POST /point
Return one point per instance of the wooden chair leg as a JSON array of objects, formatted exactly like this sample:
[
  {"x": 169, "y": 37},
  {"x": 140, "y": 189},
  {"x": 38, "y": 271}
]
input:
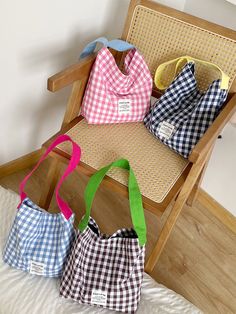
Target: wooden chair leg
[
  {"x": 50, "y": 184},
  {"x": 163, "y": 237},
  {"x": 174, "y": 214},
  {"x": 193, "y": 195}
]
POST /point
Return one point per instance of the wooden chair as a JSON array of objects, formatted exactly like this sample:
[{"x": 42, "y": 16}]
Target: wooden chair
[{"x": 161, "y": 34}]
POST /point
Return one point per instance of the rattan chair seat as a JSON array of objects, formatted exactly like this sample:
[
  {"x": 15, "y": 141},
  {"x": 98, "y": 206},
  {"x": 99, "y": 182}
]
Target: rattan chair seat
[{"x": 157, "y": 168}]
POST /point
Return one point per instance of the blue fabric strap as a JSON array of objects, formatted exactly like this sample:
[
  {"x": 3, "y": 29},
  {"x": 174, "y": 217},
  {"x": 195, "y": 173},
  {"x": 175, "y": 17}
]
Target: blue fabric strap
[{"x": 116, "y": 44}]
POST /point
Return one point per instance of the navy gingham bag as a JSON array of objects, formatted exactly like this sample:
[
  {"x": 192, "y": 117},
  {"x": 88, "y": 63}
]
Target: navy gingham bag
[
  {"x": 39, "y": 242},
  {"x": 181, "y": 116},
  {"x": 107, "y": 270}
]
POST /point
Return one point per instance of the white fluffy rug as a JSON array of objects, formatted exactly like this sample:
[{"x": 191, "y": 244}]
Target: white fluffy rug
[{"x": 22, "y": 293}]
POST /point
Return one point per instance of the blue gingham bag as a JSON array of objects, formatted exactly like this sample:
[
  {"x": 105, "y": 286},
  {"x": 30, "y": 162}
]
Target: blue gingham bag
[
  {"x": 181, "y": 116},
  {"x": 39, "y": 242}
]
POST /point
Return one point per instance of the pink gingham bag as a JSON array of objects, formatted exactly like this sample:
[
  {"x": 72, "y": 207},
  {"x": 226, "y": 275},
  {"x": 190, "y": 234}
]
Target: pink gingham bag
[{"x": 112, "y": 96}]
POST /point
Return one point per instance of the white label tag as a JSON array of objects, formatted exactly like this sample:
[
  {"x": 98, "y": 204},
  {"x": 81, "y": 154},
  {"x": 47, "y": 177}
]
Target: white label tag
[
  {"x": 99, "y": 297},
  {"x": 166, "y": 130},
  {"x": 36, "y": 268},
  {"x": 124, "y": 106}
]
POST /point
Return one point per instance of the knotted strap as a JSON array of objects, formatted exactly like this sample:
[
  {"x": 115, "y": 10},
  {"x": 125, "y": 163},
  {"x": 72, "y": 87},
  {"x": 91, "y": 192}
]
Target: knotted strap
[
  {"x": 75, "y": 159},
  {"x": 116, "y": 44},
  {"x": 186, "y": 59},
  {"x": 135, "y": 198}
]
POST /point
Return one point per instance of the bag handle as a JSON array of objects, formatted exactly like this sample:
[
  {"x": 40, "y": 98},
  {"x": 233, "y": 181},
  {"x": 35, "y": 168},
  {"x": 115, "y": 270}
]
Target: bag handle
[
  {"x": 116, "y": 44},
  {"x": 75, "y": 159},
  {"x": 159, "y": 71},
  {"x": 135, "y": 198}
]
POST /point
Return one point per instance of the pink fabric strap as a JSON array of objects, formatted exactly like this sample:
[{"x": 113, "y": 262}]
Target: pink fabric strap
[{"x": 75, "y": 159}]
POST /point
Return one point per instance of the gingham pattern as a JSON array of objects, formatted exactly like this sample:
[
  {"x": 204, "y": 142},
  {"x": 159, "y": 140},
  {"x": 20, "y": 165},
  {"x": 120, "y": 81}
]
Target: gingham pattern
[
  {"x": 187, "y": 109},
  {"x": 41, "y": 237},
  {"x": 107, "y": 85},
  {"x": 113, "y": 264}
]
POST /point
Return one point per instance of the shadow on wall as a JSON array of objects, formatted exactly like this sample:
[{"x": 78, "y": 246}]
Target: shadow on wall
[
  {"x": 41, "y": 111},
  {"x": 48, "y": 110},
  {"x": 116, "y": 15}
]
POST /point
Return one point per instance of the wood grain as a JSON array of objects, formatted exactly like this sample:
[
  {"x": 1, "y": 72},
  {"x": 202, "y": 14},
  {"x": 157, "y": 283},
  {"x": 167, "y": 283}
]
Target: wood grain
[
  {"x": 174, "y": 214},
  {"x": 75, "y": 100},
  {"x": 208, "y": 139},
  {"x": 217, "y": 210},
  {"x": 195, "y": 190},
  {"x": 197, "y": 157},
  {"x": 182, "y": 16},
  {"x": 50, "y": 184},
  {"x": 155, "y": 208},
  {"x": 188, "y": 18},
  {"x": 20, "y": 163},
  {"x": 199, "y": 258},
  {"x": 71, "y": 74}
]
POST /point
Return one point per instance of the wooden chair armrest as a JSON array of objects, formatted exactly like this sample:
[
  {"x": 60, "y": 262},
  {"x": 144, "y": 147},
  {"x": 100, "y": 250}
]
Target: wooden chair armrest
[
  {"x": 206, "y": 142},
  {"x": 71, "y": 74}
]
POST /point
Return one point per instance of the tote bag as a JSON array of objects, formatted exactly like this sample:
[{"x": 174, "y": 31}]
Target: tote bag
[
  {"x": 107, "y": 270},
  {"x": 112, "y": 96},
  {"x": 182, "y": 114},
  {"x": 39, "y": 242}
]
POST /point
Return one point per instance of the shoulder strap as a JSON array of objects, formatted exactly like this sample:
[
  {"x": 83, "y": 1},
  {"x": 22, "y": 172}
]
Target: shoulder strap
[
  {"x": 182, "y": 60},
  {"x": 116, "y": 44},
  {"x": 135, "y": 198},
  {"x": 75, "y": 159}
]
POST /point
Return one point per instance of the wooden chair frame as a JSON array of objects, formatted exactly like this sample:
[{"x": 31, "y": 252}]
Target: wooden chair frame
[{"x": 186, "y": 191}]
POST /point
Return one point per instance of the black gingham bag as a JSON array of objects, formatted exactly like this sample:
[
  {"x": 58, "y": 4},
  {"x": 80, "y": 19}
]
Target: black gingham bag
[
  {"x": 107, "y": 270},
  {"x": 181, "y": 116}
]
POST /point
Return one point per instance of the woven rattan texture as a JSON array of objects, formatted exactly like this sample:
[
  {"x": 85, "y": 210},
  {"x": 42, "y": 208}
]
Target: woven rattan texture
[
  {"x": 161, "y": 38},
  {"x": 157, "y": 168}
]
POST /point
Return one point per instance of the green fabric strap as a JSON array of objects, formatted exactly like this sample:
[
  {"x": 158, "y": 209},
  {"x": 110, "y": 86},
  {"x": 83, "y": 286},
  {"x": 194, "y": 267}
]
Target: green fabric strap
[{"x": 135, "y": 198}]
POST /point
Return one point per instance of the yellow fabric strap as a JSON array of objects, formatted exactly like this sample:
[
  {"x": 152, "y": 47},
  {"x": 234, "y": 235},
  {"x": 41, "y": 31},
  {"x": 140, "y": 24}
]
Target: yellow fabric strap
[{"x": 179, "y": 61}]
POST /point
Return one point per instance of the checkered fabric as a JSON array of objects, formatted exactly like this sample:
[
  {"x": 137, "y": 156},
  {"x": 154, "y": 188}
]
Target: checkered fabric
[
  {"x": 39, "y": 242},
  {"x": 185, "y": 111},
  {"x": 114, "y": 97},
  {"x": 105, "y": 270}
]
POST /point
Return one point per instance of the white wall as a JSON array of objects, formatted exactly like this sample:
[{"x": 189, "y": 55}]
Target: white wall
[
  {"x": 220, "y": 12},
  {"x": 220, "y": 178},
  {"x": 177, "y": 4},
  {"x": 39, "y": 38},
  {"x": 217, "y": 11}
]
